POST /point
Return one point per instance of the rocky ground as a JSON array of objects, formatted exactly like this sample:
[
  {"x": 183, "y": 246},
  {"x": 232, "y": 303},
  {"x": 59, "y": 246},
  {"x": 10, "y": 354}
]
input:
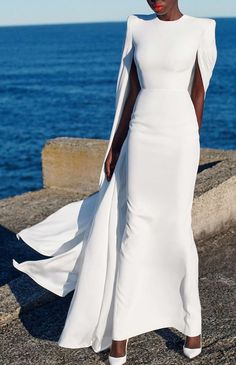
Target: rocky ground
[{"x": 31, "y": 339}]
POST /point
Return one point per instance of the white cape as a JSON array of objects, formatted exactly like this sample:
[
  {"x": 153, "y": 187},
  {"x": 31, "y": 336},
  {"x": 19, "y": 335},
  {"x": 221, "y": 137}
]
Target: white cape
[{"x": 83, "y": 238}]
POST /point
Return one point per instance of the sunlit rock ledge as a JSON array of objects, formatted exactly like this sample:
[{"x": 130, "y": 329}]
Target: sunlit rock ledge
[{"x": 71, "y": 169}]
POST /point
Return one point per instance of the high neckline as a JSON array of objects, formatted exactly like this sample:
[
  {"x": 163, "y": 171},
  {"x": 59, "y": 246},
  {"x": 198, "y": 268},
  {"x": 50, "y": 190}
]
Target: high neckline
[{"x": 170, "y": 21}]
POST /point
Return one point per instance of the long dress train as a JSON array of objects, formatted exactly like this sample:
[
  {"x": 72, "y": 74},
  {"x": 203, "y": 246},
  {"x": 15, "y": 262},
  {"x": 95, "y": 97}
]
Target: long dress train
[{"x": 128, "y": 250}]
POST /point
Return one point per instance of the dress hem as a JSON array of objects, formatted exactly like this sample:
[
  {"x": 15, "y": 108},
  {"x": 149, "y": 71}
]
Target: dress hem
[
  {"x": 39, "y": 282},
  {"x": 170, "y": 325},
  {"x": 20, "y": 236}
]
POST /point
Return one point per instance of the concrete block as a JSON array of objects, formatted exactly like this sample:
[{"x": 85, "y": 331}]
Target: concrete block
[
  {"x": 214, "y": 210},
  {"x": 73, "y": 163}
]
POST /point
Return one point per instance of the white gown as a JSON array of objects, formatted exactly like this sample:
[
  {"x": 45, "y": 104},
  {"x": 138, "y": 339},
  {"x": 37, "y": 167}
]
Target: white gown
[{"x": 128, "y": 250}]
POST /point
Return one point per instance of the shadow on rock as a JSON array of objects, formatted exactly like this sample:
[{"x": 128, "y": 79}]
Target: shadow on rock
[
  {"x": 208, "y": 165},
  {"x": 10, "y": 248},
  {"x": 47, "y": 321},
  {"x": 173, "y": 341}
]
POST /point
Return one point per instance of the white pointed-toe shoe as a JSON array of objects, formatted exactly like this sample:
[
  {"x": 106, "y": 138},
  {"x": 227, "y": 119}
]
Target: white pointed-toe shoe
[
  {"x": 118, "y": 360},
  {"x": 191, "y": 353}
]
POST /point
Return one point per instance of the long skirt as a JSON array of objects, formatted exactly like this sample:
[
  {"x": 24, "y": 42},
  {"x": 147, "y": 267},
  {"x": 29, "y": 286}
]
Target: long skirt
[{"x": 128, "y": 252}]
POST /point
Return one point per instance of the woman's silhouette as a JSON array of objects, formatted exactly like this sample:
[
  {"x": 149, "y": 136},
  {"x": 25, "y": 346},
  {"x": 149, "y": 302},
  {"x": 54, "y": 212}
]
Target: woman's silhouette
[{"x": 128, "y": 250}]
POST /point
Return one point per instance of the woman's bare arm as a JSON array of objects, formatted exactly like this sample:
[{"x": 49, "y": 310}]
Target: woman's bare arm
[
  {"x": 123, "y": 126},
  {"x": 197, "y": 94}
]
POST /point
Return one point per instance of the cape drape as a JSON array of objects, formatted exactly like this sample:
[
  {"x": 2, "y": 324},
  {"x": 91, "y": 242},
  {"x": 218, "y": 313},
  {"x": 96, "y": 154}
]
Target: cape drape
[
  {"x": 62, "y": 234},
  {"x": 82, "y": 228},
  {"x": 206, "y": 55}
]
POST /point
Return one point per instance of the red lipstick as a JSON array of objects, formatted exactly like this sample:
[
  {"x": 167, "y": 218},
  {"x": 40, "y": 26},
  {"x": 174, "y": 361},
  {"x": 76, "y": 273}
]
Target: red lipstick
[{"x": 158, "y": 7}]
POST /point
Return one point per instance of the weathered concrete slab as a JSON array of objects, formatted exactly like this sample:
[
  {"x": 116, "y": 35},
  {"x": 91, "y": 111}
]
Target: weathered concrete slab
[
  {"x": 32, "y": 339},
  {"x": 29, "y": 208},
  {"x": 215, "y": 167},
  {"x": 215, "y": 209},
  {"x": 73, "y": 163},
  {"x": 19, "y": 296}
]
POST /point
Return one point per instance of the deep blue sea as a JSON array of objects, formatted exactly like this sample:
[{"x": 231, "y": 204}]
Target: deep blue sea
[{"x": 59, "y": 80}]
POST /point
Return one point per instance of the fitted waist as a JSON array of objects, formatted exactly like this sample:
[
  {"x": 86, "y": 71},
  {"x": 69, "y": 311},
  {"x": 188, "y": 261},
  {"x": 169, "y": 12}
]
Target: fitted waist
[
  {"x": 163, "y": 103},
  {"x": 147, "y": 89},
  {"x": 158, "y": 109}
]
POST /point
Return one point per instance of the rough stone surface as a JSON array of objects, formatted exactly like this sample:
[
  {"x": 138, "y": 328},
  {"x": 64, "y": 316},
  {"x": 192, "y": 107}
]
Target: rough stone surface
[
  {"x": 24, "y": 210},
  {"x": 215, "y": 209},
  {"x": 19, "y": 296},
  {"x": 32, "y": 339},
  {"x": 215, "y": 167},
  {"x": 16, "y": 213},
  {"x": 73, "y": 163}
]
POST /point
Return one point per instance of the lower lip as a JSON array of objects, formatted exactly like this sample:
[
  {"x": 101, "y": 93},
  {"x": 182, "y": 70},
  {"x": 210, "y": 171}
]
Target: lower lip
[{"x": 158, "y": 7}]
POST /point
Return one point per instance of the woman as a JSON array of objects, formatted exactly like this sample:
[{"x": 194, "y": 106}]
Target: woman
[{"x": 128, "y": 250}]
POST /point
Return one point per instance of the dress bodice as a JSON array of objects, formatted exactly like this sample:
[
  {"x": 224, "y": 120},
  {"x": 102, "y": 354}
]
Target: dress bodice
[
  {"x": 165, "y": 54},
  {"x": 165, "y": 51}
]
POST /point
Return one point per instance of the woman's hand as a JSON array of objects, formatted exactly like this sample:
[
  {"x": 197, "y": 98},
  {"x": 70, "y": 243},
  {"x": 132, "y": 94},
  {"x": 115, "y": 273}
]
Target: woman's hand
[{"x": 110, "y": 162}]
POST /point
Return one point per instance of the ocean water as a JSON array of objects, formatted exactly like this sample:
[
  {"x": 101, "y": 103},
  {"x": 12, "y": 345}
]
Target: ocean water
[{"x": 59, "y": 80}]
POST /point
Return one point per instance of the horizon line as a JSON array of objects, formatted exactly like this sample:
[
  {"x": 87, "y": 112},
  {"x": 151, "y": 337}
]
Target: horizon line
[{"x": 93, "y": 22}]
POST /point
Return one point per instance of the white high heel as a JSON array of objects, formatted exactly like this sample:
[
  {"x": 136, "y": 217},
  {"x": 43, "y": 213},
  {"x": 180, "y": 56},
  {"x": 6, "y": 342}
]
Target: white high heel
[
  {"x": 118, "y": 360},
  {"x": 191, "y": 353}
]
